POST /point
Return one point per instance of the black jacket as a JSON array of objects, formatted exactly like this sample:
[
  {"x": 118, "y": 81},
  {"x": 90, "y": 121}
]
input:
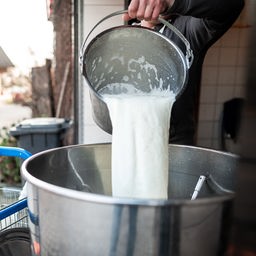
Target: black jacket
[{"x": 202, "y": 22}]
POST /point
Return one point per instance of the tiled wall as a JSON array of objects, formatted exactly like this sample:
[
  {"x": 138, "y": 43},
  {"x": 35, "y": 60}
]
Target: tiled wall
[{"x": 223, "y": 78}]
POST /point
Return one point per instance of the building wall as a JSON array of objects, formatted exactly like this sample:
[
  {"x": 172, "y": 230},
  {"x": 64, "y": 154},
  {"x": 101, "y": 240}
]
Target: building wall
[
  {"x": 63, "y": 59},
  {"x": 93, "y": 12},
  {"x": 223, "y": 77}
]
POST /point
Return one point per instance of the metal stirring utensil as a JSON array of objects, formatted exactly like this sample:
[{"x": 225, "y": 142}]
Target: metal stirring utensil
[{"x": 214, "y": 185}]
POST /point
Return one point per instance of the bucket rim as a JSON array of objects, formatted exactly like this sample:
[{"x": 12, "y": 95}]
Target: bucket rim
[
  {"x": 105, "y": 199},
  {"x": 86, "y": 48}
]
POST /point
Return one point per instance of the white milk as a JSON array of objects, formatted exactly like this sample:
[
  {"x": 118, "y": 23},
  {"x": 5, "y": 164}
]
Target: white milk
[{"x": 140, "y": 143}]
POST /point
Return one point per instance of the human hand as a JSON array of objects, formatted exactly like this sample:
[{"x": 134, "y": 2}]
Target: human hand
[
  {"x": 148, "y": 24},
  {"x": 147, "y": 10}
]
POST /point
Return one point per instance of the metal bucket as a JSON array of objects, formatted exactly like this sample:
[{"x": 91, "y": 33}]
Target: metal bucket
[
  {"x": 132, "y": 55},
  {"x": 72, "y": 211}
]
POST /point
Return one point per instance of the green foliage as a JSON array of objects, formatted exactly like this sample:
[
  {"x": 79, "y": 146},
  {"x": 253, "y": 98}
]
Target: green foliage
[{"x": 9, "y": 166}]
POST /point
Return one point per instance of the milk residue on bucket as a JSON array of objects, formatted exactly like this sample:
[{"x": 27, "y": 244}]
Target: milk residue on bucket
[
  {"x": 138, "y": 71},
  {"x": 140, "y": 121}
]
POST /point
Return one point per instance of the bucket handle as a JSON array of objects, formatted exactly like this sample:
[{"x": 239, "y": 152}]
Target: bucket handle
[{"x": 189, "y": 53}]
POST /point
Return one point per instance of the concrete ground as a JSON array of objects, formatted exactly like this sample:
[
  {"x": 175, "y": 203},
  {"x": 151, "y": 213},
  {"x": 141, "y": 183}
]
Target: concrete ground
[{"x": 12, "y": 113}]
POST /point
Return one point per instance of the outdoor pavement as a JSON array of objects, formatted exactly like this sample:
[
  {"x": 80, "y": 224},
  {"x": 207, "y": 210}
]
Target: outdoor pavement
[{"x": 11, "y": 114}]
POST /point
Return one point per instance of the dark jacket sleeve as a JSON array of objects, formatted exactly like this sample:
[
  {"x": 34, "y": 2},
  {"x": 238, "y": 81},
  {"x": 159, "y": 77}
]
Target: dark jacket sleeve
[
  {"x": 205, "y": 21},
  {"x": 219, "y": 11}
]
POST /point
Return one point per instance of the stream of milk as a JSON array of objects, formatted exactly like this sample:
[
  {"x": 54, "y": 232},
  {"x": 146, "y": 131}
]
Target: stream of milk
[{"x": 140, "y": 160}]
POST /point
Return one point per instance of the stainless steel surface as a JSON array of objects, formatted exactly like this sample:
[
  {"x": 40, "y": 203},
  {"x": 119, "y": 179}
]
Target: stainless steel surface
[
  {"x": 132, "y": 55},
  {"x": 217, "y": 188},
  {"x": 66, "y": 221}
]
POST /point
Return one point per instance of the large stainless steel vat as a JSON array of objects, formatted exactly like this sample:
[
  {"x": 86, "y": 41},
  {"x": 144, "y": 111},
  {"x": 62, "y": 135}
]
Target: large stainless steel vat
[{"x": 72, "y": 212}]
